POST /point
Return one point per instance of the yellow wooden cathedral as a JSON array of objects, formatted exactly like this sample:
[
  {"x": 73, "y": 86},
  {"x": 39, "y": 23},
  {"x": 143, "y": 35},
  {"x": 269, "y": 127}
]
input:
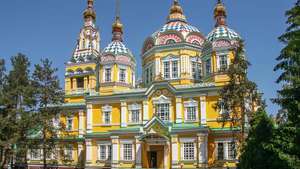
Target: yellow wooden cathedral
[{"x": 166, "y": 120}]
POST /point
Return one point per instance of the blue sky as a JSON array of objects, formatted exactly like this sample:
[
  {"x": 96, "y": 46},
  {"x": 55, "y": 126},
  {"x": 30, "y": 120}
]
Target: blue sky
[{"x": 49, "y": 28}]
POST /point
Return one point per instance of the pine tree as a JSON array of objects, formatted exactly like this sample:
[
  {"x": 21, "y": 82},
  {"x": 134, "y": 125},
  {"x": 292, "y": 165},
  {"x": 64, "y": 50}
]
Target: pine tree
[
  {"x": 48, "y": 95},
  {"x": 18, "y": 116},
  {"x": 239, "y": 97},
  {"x": 289, "y": 95},
  {"x": 260, "y": 150}
]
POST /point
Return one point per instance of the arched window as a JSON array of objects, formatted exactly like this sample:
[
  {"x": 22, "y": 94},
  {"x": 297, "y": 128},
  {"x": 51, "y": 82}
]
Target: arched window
[{"x": 170, "y": 41}]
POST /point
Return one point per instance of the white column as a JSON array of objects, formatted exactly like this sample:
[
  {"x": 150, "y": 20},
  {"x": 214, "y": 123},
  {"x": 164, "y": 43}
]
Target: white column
[
  {"x": 145, "y": 111},
  {"x": 203, "y": 109},
  {"x": 174, "y": 142},
  {"x": 81, "y": 123},
  {"x": 123, "y": 114},
  {"x": 89, "y": 151},
  {"x": 225, "y": 150},
  {"x": 138, "y": 153},
  {"x": 157, "y": 67},
  {"x": 178, "y": 110},
  {"x": 115, "y": 152},
  {"x": 89, "y": 127},
  {"x": 202, "y": 150}
]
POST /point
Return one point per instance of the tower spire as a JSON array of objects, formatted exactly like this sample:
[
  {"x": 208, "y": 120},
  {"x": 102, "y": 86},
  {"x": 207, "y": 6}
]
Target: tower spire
[
  {"x": 176, "y": 12},
  {"x": 220, "y": 14},
  {"x": 117, "y": 27},
  {"x": 89, "y": 13}
]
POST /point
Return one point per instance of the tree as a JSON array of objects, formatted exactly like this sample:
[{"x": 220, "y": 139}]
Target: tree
[
  {"x": 260, "y": 150},
  {"x": 48, "y": 95},
  {"x": 239, "y": 97},
  {"x": 289, "y": 95},
  {"x": 17, "y": 115}
]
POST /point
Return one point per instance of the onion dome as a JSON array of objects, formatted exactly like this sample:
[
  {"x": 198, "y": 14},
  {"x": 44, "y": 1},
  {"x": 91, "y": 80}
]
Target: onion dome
[
  {"x": 117, "y": 47},
  {"x": 221, "y": 30},
  {"x": 89, "y": 11},
  {"x": 176, "y": 30}
]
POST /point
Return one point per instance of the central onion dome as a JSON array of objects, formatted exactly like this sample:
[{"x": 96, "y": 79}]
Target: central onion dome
[{"x": 176, "y": 30}]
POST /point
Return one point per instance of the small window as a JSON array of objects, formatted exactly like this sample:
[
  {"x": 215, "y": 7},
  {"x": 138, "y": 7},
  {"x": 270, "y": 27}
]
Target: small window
[
  {"x": 191, "y": 113},
  {"x": 232, "y": 151},
  {"x": 102, "y": 152},
  {"x": 135, "y": 116},
  {"x": 35, "y": 154},
  {"x": 188, "y": 151},
  {"x": 220, "y": 151},
  {"x": 80, "y": 82},
  {"x": 162, "y": 111},
  {"x": 127, "y": 152},
  {"x": 122, "y": 75},
  {"x": 208, "y": 67},
  {"x": 167, "y": 70},
  {"x": 108, "y": 75},
  {"x": 175, "y": 69},
  {"x": 170, "y": 41},
  {"x": 223, "y": 62},
  {"x": 106, "y": 117}
]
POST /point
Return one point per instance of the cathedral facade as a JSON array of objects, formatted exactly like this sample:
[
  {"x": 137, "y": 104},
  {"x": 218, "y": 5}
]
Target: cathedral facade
[{"x": 166, "y": 120}]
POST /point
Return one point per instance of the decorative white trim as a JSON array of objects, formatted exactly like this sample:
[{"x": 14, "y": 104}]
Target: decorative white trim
[
  {"x": 203, "y": 110},
  {"x": 187, "y": 140},
  {"x": 106, "y": 108},
  {"x": 161, "y": 100}
]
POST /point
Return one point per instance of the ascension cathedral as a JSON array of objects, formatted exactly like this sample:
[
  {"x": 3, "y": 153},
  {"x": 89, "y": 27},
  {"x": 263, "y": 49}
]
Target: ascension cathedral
[{"x": 165, "y": 120}]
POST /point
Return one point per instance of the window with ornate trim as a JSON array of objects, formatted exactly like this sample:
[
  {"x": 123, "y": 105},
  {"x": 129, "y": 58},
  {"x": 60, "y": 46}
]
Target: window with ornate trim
[
  {"x": 127, "y": 152},
  {"x": 104, "y": 152},
  {"x": 174, "y": 69},
  {"x": 171, "y": 69},
  {"x": 122, "y": 75},
  {"x": 191, "y": 110},
  {"x": 163, "y": 111},
  {"x": 226, "y": 150},
  {"x": 188, "y": 151},
  {"x": 196, "y": 70},
  {"x": 232, "y": 152},
  {"x": 107, "y": 75},
  {"x": 223, "y": 62},
  {"x": 166, "y": 69},
  {"x": 106, "y": 114},
  {"x": 134, "y": 113}
]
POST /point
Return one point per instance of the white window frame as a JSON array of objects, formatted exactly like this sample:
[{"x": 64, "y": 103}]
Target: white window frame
[
  {"x": 123, "y": 150},
  {"x": 162, "y": 100},
  {"x": 183, "y": 149},
  {"x": 104, "y": 74},
  {"x": 226, "y": 150},
  {"x": 105, "y": 110},
  {"x": 219, "y": 66},
  {"x": 191, "y": 104},
  {"x": 133, "y": 108},
  {"x": 122, "y": 68},
  {"x": 170, "y": 61},
  {"x": 107, "y": 152},
  {"x": 196, "y": 69}
]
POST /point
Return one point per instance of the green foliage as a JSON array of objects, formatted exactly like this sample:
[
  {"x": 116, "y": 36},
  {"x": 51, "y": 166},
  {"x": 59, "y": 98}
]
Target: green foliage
[
  {"x": 238, "y": 96},
  {"x": 289, "y": 95},
  {"x": 261, "y": 150},
  {"x": 49, "y": 97}
]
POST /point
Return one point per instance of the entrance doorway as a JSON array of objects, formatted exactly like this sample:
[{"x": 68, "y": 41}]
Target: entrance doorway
[
  {"x": 153, "y": 159},
  {"x": 156, "y": 156}
]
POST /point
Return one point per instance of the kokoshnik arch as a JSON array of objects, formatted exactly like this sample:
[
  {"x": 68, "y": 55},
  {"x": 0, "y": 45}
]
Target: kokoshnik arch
[{"x": 168, "y": 119}]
